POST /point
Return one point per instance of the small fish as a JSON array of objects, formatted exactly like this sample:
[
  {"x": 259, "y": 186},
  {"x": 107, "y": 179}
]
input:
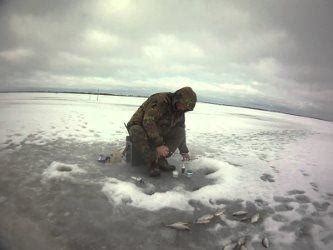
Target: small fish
[
  {"x": 205, "y": 219},
  {"x": 244, "y": 219},
  {"x": 229, "y": 246},
  {"x": 255, "y": 218},
  {"x": 137, "y": 179},
  {"x": 219, "y": 213},
  {"x": 241, "y": 241},
  {"x": 265, "y": 242},
  {"x": 179, "y": 226},
  {"x": 222, "y": 217},
  {"x": 239, "y": 213},
  {"x": 202, "y": 221}
]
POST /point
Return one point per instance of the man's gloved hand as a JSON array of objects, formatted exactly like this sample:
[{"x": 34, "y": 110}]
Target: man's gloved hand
[
  {"x": 186, "y": 156},
  {"x": 162, "y": 151}
]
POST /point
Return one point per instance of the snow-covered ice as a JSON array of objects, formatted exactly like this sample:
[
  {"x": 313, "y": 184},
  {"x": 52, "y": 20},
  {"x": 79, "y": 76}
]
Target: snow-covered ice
[{"x": 55, "y": 195}]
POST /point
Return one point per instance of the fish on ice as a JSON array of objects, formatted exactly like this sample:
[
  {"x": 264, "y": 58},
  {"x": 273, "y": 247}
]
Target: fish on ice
[
  {"x": 265, "y": 242},
  {"x": 244, "y": 219},
  {"x": 179, "y": 226},
  {"x": 219, "y": 213},
  {"x": 241, "y": 241},
  {"x": 205, "y": 219},
  {"x": 238, "y": 213},
  {"x": 229, "y": 246},
  {"x": 255, "y": 218}
]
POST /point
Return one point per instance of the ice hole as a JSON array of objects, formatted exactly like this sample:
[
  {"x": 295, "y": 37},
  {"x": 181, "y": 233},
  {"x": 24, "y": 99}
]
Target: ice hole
[
  {"x": 209, "y": 171},
  {"x": 64, "y": 169}
]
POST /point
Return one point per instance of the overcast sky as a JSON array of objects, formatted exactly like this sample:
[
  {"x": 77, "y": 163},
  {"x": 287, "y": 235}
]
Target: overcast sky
[{"x": 276, "y": 54}]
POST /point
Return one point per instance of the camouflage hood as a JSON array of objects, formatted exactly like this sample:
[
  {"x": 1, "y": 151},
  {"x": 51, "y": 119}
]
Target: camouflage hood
[{"x": 185, "y": 96}]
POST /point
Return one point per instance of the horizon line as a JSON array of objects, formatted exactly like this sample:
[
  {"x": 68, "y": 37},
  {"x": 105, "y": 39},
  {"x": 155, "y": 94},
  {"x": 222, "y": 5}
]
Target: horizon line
[{"x": 146, "y": 96}]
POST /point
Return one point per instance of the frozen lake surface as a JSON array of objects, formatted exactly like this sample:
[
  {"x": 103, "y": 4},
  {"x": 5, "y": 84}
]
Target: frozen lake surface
[{"x": 55, "y": 195}]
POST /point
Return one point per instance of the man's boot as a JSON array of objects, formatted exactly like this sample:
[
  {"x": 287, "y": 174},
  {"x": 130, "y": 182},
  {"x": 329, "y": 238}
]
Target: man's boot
[
  {"x": 154, "y": 170},
  {"x": 164, "y": 165}
]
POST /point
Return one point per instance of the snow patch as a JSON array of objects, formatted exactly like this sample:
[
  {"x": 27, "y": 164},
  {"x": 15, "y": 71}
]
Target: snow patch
[
  {"x": 121, "y": 192},
  {"x": 61, "y": 171},
  {"x": 227, "y": 182}
]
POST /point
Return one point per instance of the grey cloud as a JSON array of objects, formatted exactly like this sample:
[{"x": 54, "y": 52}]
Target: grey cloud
[{"x": 280, "y": 49}]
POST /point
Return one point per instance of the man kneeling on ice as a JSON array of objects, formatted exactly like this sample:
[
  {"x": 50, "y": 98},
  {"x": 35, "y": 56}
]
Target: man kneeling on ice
[{"x": 157, "y": 128}]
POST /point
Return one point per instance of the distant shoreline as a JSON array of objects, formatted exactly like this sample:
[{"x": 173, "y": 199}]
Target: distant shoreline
[{"x": 142, "y": 96}]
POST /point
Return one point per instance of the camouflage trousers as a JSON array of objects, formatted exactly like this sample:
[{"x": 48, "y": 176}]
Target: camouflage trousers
[{"x": 172, "y": 137}]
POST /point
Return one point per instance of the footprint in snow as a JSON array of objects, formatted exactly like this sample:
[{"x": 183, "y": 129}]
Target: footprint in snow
[{"x": 267, "y": 177}]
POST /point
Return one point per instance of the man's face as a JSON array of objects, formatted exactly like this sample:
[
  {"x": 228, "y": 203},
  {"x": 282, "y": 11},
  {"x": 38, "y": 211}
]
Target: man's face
[{"x": 180, "y": 107}]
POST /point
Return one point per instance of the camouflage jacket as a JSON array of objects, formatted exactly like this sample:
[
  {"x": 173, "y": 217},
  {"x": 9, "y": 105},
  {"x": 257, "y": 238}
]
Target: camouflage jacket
[{"x": 158, "y": 114}]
